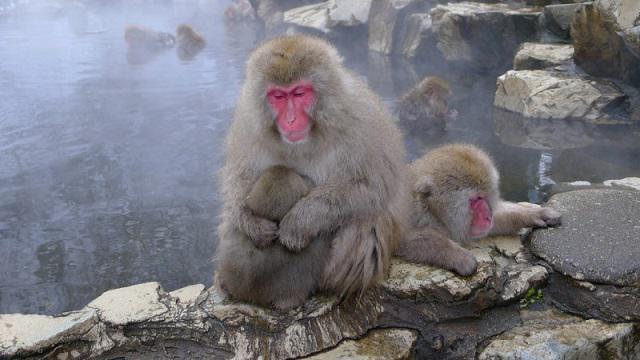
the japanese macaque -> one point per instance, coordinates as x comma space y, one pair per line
301, 109
139, 37
456, 199
276, 192
425, 105
145, 44
190, 43
239, 10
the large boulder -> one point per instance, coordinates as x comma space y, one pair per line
454, 314
595, 253
606, 36
329, 15
387, 22
534, 56
419, 37
561, 95
482, 36
559, 17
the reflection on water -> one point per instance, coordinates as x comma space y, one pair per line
107, 174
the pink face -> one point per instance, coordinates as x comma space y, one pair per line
291, 105
481, 217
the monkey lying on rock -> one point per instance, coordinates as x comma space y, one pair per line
456, 199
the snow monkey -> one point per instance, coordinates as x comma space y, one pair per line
190, 43
301, 109
456, 199
142, 38
425, 105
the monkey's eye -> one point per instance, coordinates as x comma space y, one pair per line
299, 92
278, 95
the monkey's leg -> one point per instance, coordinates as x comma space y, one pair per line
430, 247
509, 218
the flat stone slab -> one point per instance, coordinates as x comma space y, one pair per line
550, 334
129, 304
385, 344
599, 239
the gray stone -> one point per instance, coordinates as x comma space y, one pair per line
598, 239
533, 56
188, 294
607, 40
550, 334
349, 13
23, 334
129, 304
314, 16
391, 344
386, 18
483, 36
630, 182
419, 35
558, 18
559, 95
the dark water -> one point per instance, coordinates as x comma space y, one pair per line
107, 168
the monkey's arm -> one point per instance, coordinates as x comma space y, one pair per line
509, 218
428, 246
325, 209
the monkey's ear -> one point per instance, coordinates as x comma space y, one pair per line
424, 185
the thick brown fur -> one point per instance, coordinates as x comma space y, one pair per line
361, 198
190, 43
425, 105
443, 180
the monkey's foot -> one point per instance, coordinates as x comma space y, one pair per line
465, 263
263, 232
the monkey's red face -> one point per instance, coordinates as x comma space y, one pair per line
291, 104
481, 217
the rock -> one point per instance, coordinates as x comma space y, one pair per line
419, 35
453, 314
533, 56
630, 182
271, 12
24, 334
559, 95
348, 13
378, 344
315, 16
386, 21
482, 36
558, 18
129, 304
606, 39
592, 247
551, 334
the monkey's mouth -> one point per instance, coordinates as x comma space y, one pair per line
295, 137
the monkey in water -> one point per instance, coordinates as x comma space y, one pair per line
142, 38
302, 109
426, 106
456, 200
190, 43
272, 196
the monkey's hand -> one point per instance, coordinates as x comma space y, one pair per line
260, 230
294, 233
541, 216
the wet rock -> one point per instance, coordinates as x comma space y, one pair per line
533, 56
315, 16
419, 36
551, 334
330, 14
348, 13
482, 36
558, 18
386, 22
592, 247
143, 321
129, 304
606, 39
392, 344
271, 12
561, 95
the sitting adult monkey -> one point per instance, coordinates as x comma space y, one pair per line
300, 108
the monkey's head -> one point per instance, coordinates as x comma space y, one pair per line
288, 78
459, 183
184, 30
435, 91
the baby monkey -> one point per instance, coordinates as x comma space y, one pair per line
279, 271
426, 106
457, 199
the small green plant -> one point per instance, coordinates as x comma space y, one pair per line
533, 296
